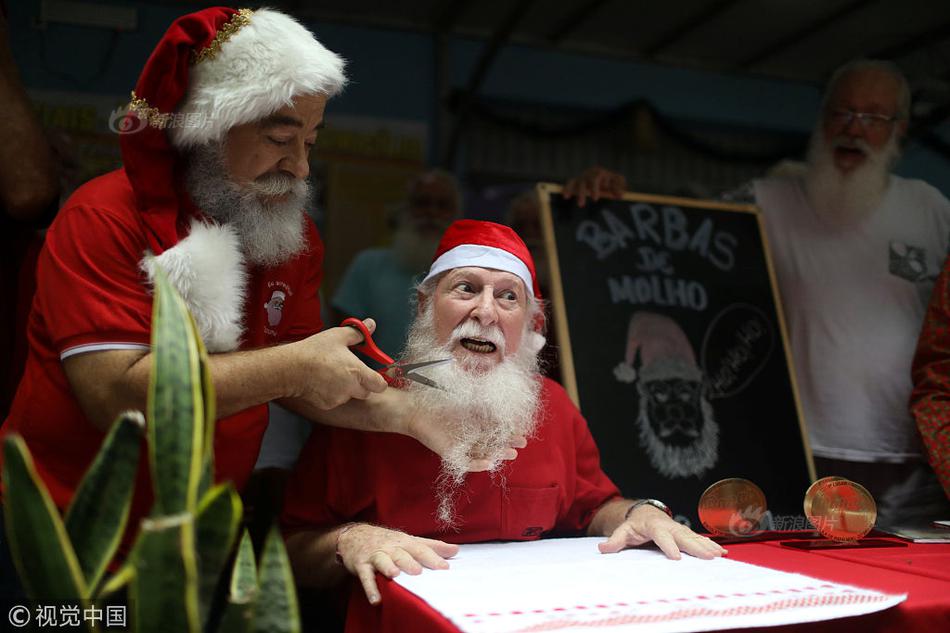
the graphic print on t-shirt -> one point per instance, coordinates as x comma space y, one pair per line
907, 261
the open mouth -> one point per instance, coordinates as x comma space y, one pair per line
477, 345
853, 152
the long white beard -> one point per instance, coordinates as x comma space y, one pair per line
843, 199
270, 234
483, 409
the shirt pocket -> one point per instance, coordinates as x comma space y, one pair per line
527, 513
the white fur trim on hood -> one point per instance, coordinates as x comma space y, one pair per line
207, 268
259, 70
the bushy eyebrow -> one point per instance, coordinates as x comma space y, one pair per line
278, 120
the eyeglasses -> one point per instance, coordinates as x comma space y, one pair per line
868, 120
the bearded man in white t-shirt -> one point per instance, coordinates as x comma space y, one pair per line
856, 251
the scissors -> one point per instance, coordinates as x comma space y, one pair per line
395, 373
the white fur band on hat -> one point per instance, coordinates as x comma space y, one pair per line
259, 70
482, 257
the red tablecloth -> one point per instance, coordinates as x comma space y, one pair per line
920, 570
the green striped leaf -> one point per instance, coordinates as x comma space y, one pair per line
175, 408
218, 516
164, 590
41, 550
276, 609
242, 591
97, 515
243, 586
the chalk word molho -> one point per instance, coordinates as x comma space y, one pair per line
654, 290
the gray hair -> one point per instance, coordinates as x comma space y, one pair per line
879, 65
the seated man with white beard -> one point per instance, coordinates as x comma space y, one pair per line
478, 305
856, 251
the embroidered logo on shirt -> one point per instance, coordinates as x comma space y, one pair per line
275, 307
906, 261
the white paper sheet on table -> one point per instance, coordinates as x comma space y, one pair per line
567, 585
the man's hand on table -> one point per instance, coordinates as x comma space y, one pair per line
366, 549
595, 183
647, 523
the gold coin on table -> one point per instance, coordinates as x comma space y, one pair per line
732, 507
840, 509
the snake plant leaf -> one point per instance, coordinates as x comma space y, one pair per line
41, 550
243, 586
164, 589
97, 516
215, 529
242, 592
276, 609
175, 408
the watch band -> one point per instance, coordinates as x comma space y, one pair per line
659, 505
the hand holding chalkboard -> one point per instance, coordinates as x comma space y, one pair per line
594, 183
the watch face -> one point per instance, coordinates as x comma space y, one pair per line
649, 502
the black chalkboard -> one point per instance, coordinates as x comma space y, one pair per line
673, 346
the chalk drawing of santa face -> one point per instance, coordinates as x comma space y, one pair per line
675, 421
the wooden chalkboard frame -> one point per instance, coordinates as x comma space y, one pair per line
558, 306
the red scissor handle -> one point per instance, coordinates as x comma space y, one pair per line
369, 347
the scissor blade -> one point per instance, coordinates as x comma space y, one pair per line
429, 363
422, 380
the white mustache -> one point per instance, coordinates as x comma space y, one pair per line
847, 142
473, 329
275, 185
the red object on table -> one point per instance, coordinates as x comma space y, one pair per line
920, 570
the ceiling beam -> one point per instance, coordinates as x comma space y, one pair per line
683, 28
912, 43
575, 19
806, 31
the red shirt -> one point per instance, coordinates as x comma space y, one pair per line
91, 294
554, 486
